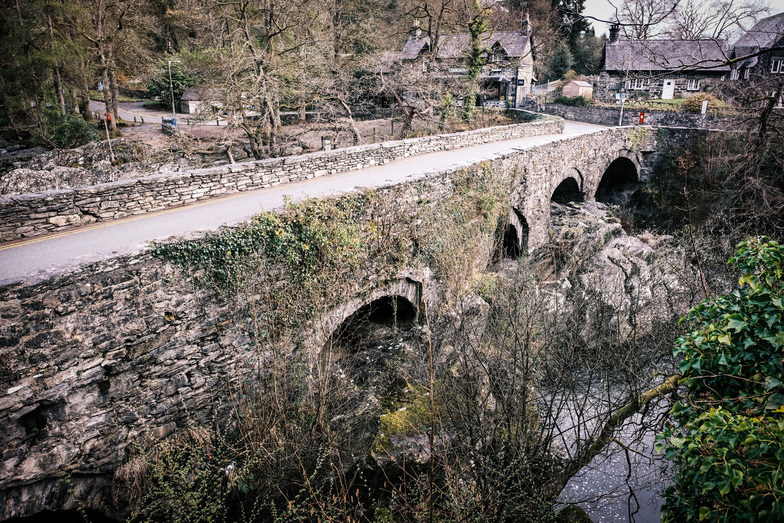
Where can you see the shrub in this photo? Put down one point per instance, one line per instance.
(65, 132)
(693, 104)
(576, 101)
(728, 444)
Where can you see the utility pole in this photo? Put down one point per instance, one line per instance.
(171, 87)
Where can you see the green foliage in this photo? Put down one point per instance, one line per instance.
(446, 109)
(309, 241)
(693, 104)
(478, 25)
(410, 419)
(728, 445)
(576, 101)
(181, 479)
(64, 132)
(561, 61)
(159, 84)
(587, 51)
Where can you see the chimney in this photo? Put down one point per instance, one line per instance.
(615, 31)
(526, 27)
(416, 32)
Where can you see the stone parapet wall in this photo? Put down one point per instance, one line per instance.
(30, 215)
(631, 116)
(98, 359)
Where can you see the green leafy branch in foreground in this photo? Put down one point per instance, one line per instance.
(728, 443)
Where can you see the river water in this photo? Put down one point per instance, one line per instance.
(621, 486)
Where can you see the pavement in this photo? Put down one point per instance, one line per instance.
(39, 258)
(135, 112)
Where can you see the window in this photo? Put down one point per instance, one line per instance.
(425, 65)
(692, 85)
(734, 74)
(777, 66)
(638, 83)
(746, 74)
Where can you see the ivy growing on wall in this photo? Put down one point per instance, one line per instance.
(728, 442)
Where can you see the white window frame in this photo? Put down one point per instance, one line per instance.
(734, 74)
(638, 83)
(693, 84)
(777, 66)
(746, 73)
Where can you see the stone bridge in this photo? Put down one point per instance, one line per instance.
(127, 349)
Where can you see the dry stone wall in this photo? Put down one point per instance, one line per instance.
(127, 349)
(35, 214)
(631, 116)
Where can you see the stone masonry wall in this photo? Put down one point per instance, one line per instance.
(34, 214)
(126, 349)
(123, 351)
(631, 116)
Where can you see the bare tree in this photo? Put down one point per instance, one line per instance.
(719, 20)
(642, 19)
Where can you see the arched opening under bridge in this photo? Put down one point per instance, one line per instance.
(368, 339)
(567, 191)
(619, 183)
(515, 242)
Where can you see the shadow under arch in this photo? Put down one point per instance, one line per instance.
(568, 191)
(515, 242)
(619, 182)
(367, 339)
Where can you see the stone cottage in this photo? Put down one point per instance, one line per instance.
(750, 50)
(506, 77)
(663, 69)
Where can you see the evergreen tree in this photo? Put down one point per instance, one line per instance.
(561, 61)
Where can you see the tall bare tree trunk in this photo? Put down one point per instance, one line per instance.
(104, 62)
(58, 83)
(115, 88)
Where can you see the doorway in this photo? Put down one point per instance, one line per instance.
(668, 90)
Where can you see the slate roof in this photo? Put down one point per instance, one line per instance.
(455, 46)
(666, 55)
(765, 33)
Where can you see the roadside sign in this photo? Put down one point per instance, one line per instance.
(642, 117)
(704, 107)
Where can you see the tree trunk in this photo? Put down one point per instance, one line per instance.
(84, 96)
(58, 82)
(115, 88)
(352, 123)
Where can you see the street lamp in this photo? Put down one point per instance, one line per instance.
(171, 86)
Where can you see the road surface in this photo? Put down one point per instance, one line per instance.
(38, 258)
(136, 112)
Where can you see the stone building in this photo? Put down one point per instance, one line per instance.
(768, 34)
(505, 79)
(663, 69)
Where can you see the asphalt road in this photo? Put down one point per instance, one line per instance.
(39, 258)
(136, 112)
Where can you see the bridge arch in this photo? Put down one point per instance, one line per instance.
(569, 190)
(516, 235)
(620, 178)
(410, 290)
